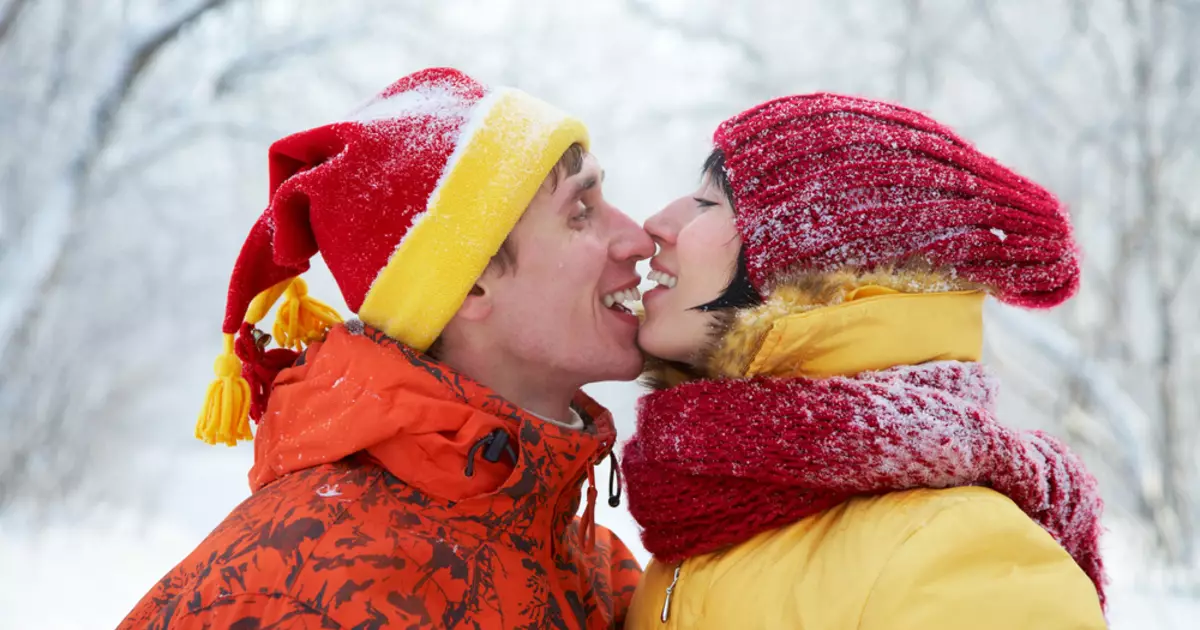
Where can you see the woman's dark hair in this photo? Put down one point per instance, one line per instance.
(740, 293)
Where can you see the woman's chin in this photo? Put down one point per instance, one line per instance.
(659, 372)
(654, 348)
(646, 342)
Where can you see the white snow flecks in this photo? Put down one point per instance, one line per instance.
(437, 101)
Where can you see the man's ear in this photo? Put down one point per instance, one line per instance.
(478, 303)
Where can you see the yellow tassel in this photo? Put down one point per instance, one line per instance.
(301, 320)
(225, 417)
(263, 302)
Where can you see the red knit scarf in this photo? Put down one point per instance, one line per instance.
(714, 463)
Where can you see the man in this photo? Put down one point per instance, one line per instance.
(393, 488)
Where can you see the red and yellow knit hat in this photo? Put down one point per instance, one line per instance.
(406, 202)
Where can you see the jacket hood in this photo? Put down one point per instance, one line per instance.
(361, 391)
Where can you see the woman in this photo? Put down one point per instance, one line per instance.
(821, 452)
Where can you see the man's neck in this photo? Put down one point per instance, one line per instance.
(532, 390)
(574, 421)
(554, 406)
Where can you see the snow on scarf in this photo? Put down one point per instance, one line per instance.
(715, 462)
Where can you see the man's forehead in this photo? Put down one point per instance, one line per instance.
(561, 181)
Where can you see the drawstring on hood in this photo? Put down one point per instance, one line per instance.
(588, 524)
(496, 444)
(614, 475)
(614, 496)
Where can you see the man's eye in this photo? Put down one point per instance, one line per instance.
(582, 213)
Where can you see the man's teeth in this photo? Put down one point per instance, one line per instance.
(662, 278)
(628, 295)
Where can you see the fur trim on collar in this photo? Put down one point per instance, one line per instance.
(737, 335)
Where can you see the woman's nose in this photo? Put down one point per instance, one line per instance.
(664, 226)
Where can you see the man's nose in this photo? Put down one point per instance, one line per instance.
(630, 241)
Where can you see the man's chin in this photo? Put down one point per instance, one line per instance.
(628, 369)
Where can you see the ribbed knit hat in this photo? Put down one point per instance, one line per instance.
(824, 182)
(407, 202)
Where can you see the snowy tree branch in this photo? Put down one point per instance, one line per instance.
(259, 59)
(1183, 123)
(9, 15)
(647, 12)
(1102, 46)
(139, 56)
(265, 58)
(1188, 259)
(30, 269)
(167, 142)
(64, 36)
(1016, 54)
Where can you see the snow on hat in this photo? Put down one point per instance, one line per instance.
(407, 202)
(824, 182)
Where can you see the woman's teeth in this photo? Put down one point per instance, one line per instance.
(628, 295)
(662, 278)
(618, 298)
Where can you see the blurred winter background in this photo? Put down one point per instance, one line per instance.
(132, 165)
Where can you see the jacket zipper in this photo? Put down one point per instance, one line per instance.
(666, 612)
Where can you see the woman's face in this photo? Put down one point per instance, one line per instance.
(698, 245)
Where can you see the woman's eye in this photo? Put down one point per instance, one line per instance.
(704, 203)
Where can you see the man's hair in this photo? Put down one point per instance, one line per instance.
(571, 163)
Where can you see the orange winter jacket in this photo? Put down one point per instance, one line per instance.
(392, 492)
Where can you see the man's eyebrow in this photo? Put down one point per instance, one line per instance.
(586, 184)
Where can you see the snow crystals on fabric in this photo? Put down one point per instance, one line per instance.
(823, 182)
(525, 128)
(518, 129)
(715, 462)
(438, 100)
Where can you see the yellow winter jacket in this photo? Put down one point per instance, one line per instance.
(919, 559)
(915, 560)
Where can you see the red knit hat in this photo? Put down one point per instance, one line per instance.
(406, 202)
(823, 182)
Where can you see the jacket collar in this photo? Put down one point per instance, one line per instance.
(840, 327)
(362, 391)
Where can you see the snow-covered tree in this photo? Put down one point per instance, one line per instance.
(132, 166)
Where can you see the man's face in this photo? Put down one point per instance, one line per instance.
(573, 250)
